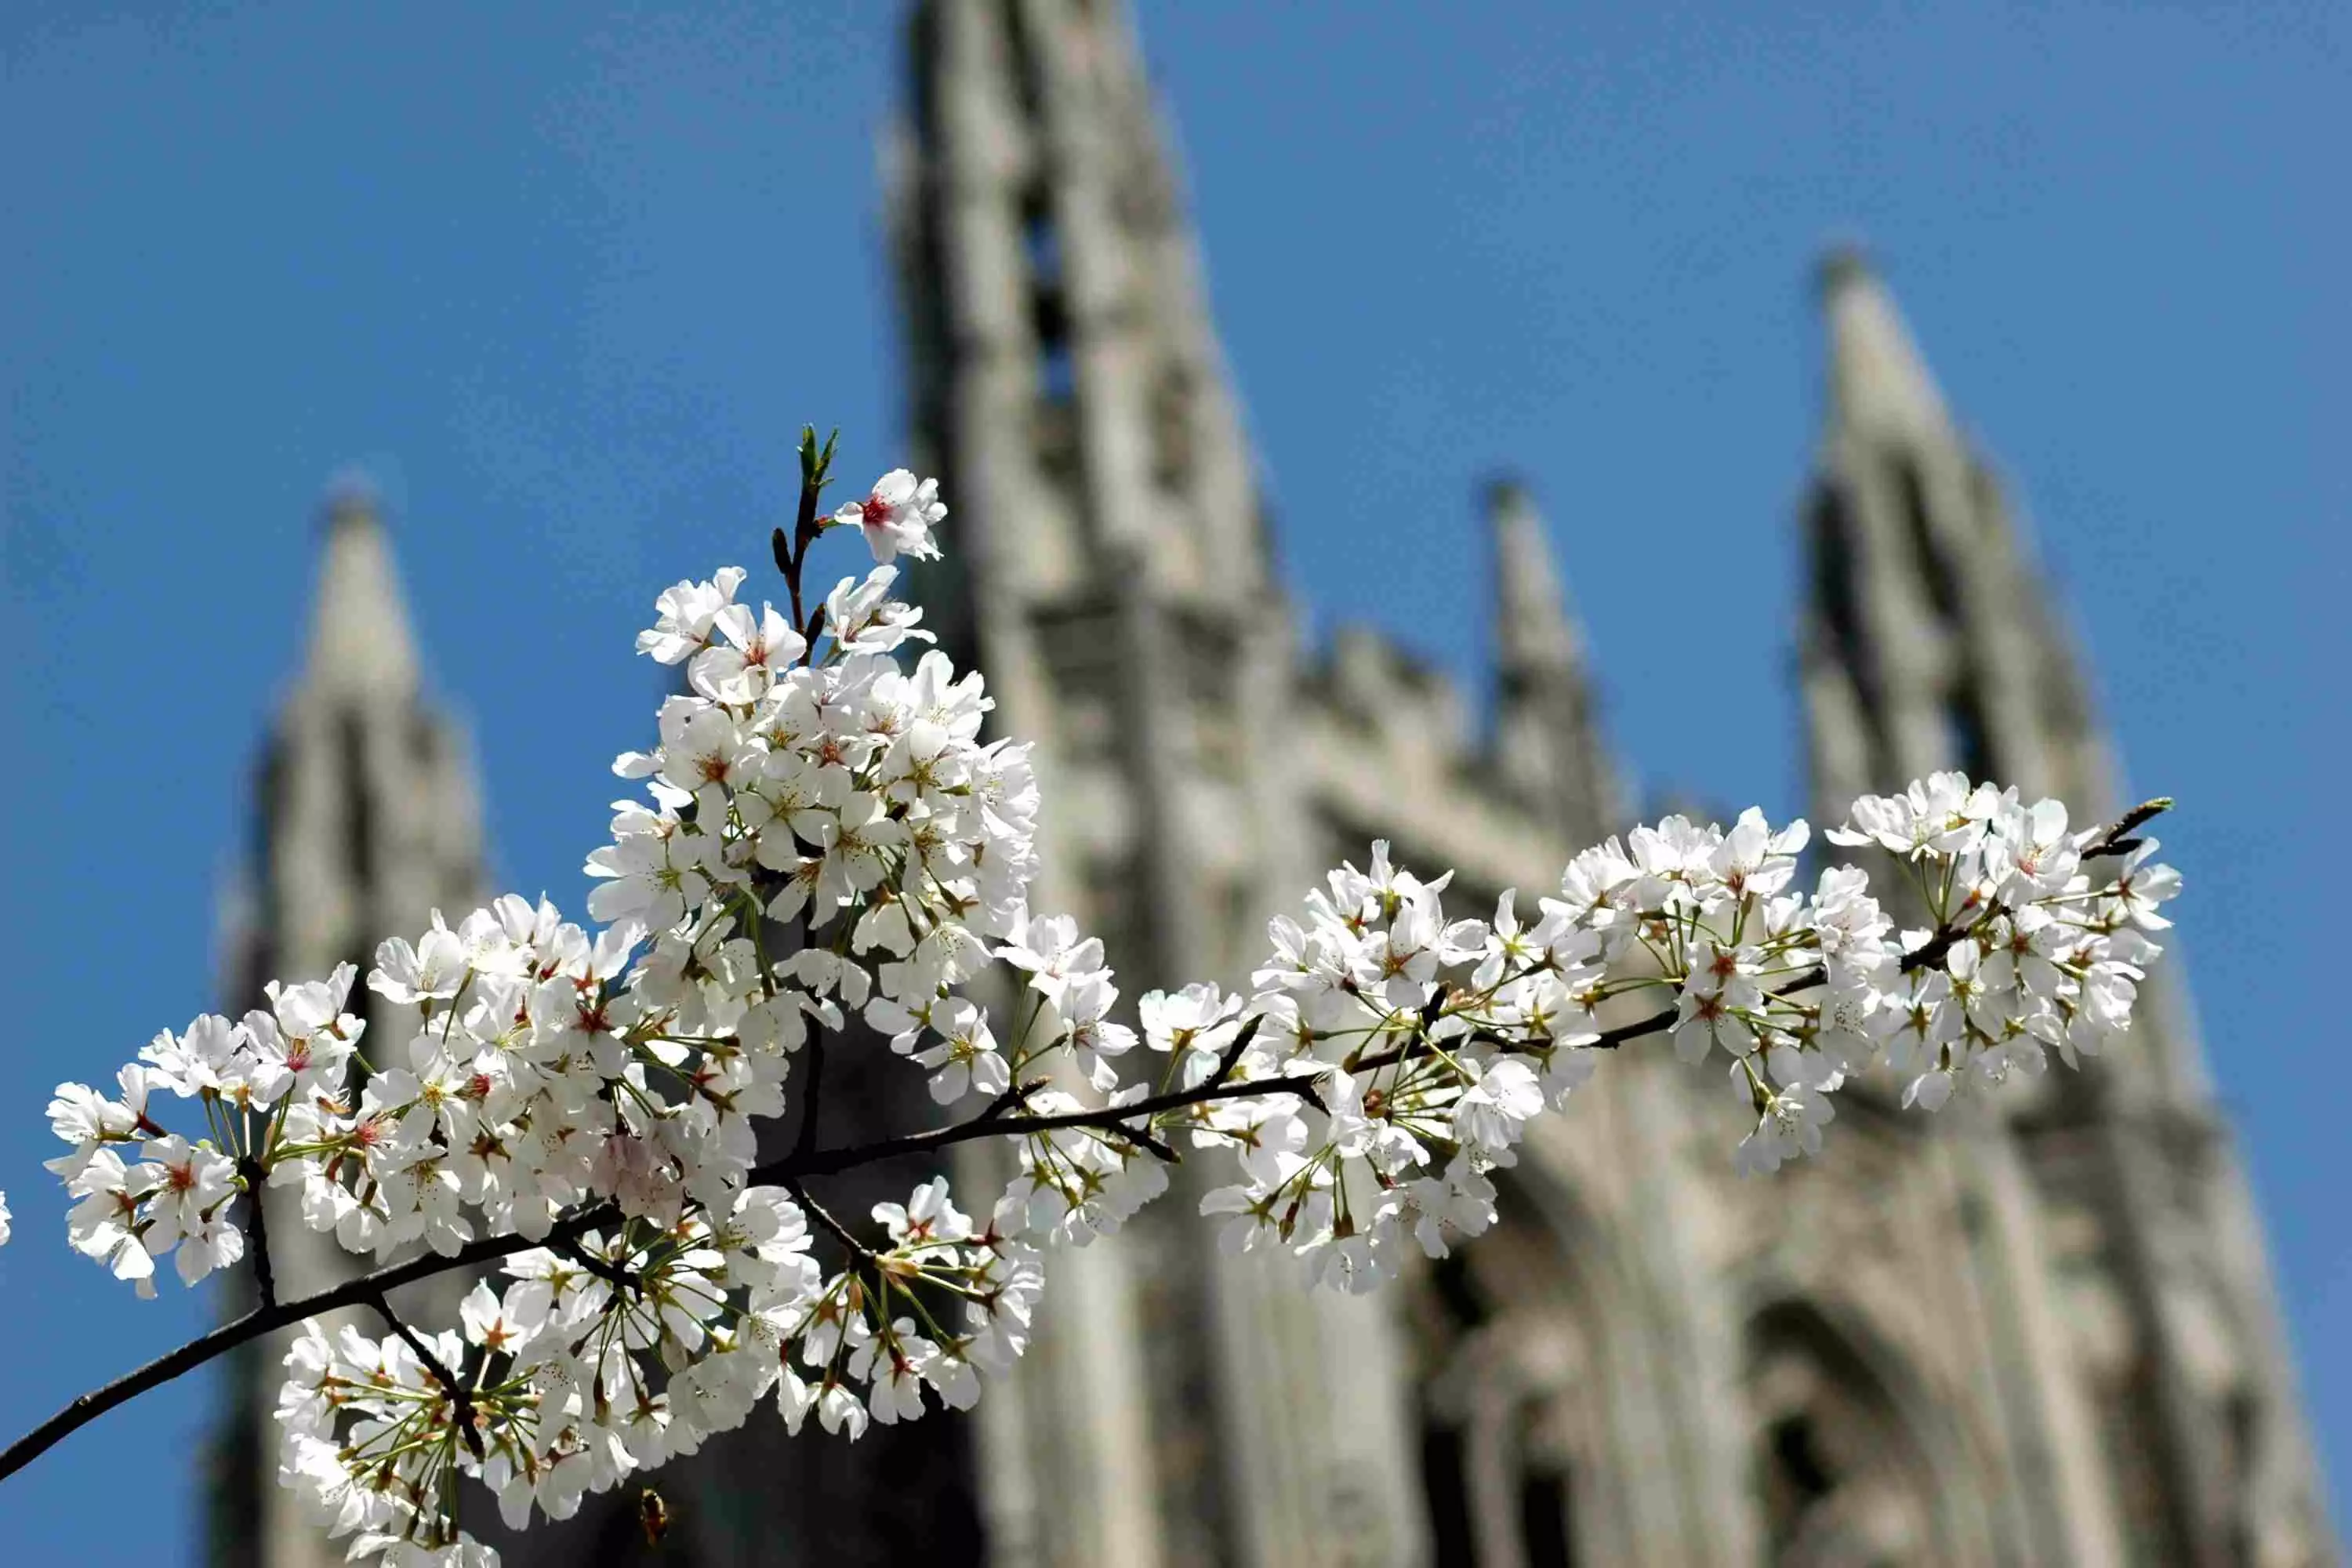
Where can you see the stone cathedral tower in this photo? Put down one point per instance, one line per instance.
(1927, 643)
(365, 822)
(2029, 1331)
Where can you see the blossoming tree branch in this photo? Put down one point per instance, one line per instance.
(823, 837)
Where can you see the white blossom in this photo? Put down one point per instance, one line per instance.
(825, 841)
(897, 516)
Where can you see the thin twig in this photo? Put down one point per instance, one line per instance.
(605, 1268)
(815, 467)
(263, 1321)
(1233, 1056)
(1012, 1099)
(1936, 948)
(1609, 1039)
(2117, 839)
(1144, 1138)
(830, 1162)
(461, 1401)
(842, 1233)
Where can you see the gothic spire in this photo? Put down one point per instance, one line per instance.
(1879, 383)
(1532, 628)
(1930, 641)
(360, 642)
(365, 824)
(367, 812)
(1547, 739)
(1070, 384)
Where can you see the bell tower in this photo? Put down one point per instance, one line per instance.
(1929, 639)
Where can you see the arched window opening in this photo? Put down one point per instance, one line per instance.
(2241, 1422)
(1058, 369)
(1049, 311)
(1839, 1477)
(1456, 1292)
(1935, 565)
(1967, 739)
(1837, 604)
(1496, 1488)
(1795, 1478)
(1510, 1409)
(359, 803)
(1836, 594)
(1547, 1523)
(1055, 433)
(1445, 1482)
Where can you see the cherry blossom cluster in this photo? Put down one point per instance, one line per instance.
(1413, 1049)
(822, 835)
(827, 855)
(607, 1356)
(2041, 936)
(144, 1193)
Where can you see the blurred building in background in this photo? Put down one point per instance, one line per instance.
(365, 822)
(2036, 1328)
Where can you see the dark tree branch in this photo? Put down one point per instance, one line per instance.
(841, 1231)
(256, 1229)
(603, 1269)
(2117, 839)
(811, 1091)
(1936, 948)
(1108, 1119)
(816, 467)
(1130, 1122)
(1233, 1056)
(361, 1292)
(1609, 1039)
(1012, 1099)
(1144, 1138)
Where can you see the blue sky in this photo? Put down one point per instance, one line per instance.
(566, 278)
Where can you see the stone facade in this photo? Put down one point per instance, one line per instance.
(2035, 1330)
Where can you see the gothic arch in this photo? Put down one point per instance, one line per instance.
(1854, 1461)
(1538, 1383)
